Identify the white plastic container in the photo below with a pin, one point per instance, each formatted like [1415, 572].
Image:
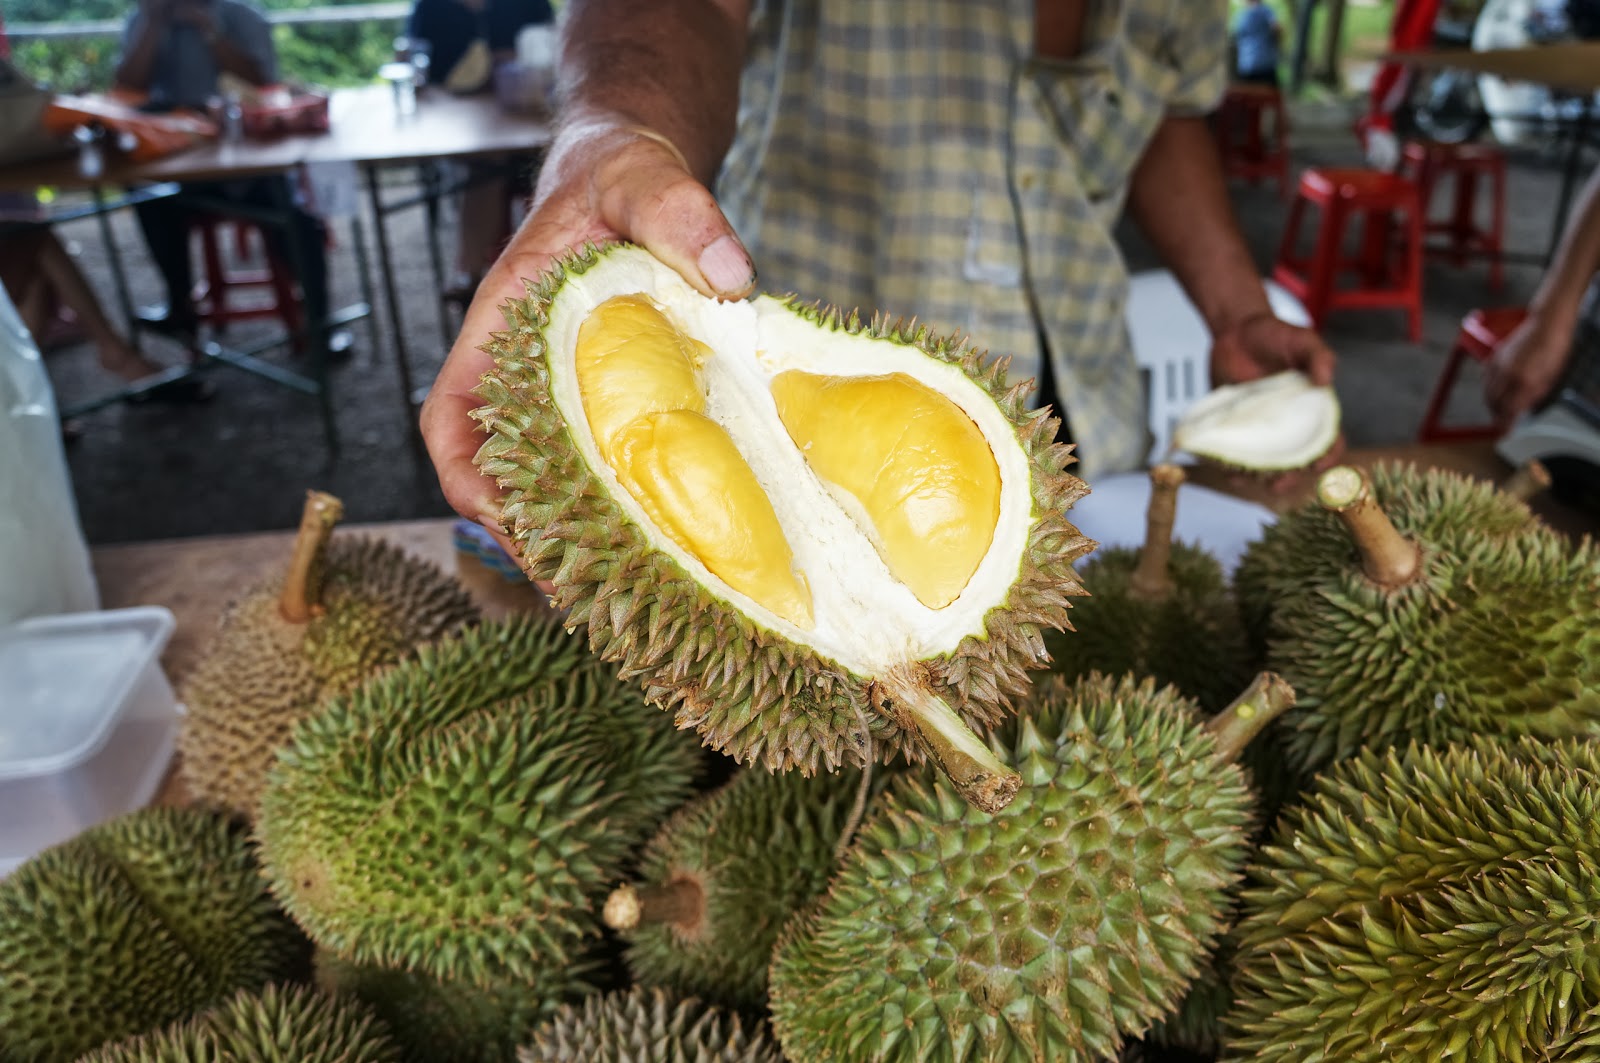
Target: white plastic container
[88, 723]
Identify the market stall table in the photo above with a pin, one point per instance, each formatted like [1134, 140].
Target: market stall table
[196, 577]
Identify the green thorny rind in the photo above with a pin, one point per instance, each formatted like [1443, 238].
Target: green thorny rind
[1427, 903]
[461, 815]
[642, 1025]
[1051, 930]
[748, 691]
[280, 1024]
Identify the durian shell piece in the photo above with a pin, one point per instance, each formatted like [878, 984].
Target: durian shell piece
[1272, 424]
[1428, 904]
[134, 924]
[1493, 635]
[747, 690]
[280, 1024]
[1055, 929]
[434, 1020]
[648, 1026]
[263, 674]
[463, 814]
[758, 850]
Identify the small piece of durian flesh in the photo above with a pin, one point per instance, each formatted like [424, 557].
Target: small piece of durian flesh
[638, 375]
[919, 469]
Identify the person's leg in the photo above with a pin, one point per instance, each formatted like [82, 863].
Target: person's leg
[485, 219]
[311, 236]
[58, 268]
[165, 223]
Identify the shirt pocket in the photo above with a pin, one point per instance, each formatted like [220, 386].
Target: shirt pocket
[1104, 110]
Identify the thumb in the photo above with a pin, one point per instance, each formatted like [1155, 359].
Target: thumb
[657, 203]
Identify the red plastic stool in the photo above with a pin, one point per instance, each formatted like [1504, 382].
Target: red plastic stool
[1482, 333]
[1252, 130]
[227, 295]
[1388, 264]
[1427, 164]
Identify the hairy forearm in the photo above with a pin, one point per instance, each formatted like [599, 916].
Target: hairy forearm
[670, 65]
[1181, 203]
[1576, 261]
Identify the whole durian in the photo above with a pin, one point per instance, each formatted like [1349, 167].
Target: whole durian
[1164, 611]
[129, 926]
[433, 1019]
[723, 875]
[1052, 930]
[1429, 903]
[648, 1026]
[463, 814]
[279, 1024]
[343, 610]
[888, 540]
[1424, 630]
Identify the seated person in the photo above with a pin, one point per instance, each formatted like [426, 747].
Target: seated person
[36, 270]
[1256, 33]
[453, 30]
[174, 52]
[1530, 366]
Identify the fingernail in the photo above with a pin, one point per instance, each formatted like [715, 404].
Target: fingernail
[726, 267]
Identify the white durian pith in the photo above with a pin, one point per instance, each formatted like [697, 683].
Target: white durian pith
[1283, 421]
[864, 618]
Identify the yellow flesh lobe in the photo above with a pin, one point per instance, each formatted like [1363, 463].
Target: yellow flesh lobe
[917, 464]
[639, 378]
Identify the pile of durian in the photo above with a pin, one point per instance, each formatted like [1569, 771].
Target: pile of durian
[776, 782]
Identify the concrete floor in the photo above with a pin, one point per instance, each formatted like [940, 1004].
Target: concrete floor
[243, 462]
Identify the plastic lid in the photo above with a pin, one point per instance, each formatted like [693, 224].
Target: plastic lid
[65, 679]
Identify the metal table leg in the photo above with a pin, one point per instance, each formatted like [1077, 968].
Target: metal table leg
[390, 294]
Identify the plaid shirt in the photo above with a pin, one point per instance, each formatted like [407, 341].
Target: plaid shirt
[916, 158]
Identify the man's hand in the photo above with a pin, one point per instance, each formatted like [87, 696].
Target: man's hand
[1262, 344]
[1525, 368]
[602, 180]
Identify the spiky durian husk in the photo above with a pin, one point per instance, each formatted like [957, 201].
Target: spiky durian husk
[436, 1020]
[280, 1024]
[1191, 639]
[1427, 903]
[648, 1026]
[1073, 918]
[749, 691]
[1439, 508]
[131, 925]
[1496, 636]
[263, 674]
[459, 815]
[759, 849]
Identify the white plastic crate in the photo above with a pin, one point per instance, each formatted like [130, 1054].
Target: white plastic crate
[88, 723]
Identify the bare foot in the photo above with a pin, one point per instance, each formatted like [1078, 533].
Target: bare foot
[128, 363]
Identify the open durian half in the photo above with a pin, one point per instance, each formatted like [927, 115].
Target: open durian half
[815, 540]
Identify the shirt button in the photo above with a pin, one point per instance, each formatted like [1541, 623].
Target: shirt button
[1113, 98]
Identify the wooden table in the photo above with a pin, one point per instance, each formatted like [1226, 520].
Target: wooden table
[196, 577]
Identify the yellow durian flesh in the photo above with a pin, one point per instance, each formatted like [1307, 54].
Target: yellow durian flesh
[917, 466]
[638, 374]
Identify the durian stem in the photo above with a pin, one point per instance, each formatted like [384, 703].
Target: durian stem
[966, 760]
[1263, 701]
[680, 902]
[302, 587]
[1388, 558]
[858, 810]
[1152, 580]
[1529, 480]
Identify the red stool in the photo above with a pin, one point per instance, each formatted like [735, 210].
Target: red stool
[227, 295]
[1426, 164]
[1482, 333]
[1252, 130]
[1388, 265]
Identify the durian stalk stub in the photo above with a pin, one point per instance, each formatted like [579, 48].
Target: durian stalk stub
[1529, 480]
[1151, 580]
[1388, 558]
[302, 587]
[1263, 701]
[978, 775]
[680, 902]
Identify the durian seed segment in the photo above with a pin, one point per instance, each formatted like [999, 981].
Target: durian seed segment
[1152, 580]
[913, 466]
[1388, 558]
[1273, 424]
[302, 587]
[1263, 701]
